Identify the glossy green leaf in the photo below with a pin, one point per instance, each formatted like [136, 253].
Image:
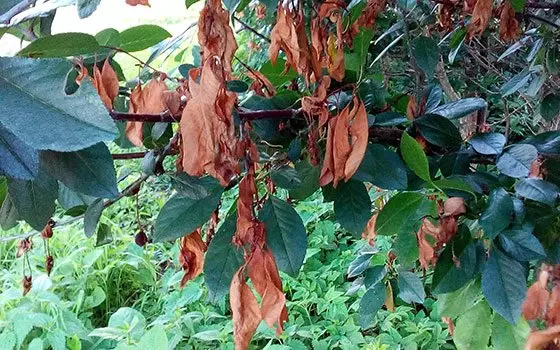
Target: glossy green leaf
[109, 37]
[275, 72]
[490, 143]
[460, 108]
[89, 171]
[383, 168]
[48, 118]
[142, 37]
[426, 53]
[498, 213]
[439, 131]
[538, 190]
[374, 275]
[504, 284]
[458, 302]
[61, 45]
[285, 234]
[411, 289]
[92, 216]
[194, 187]
[222, 259]
[352, 206]
[370, 303]
[508, 336]
[516, 160]
[546, 142]
[472, 329]
[34, 199]
[182, 215]
[550, 107]
[389, 119]
[285, 177]
[17, 159]
[520, 243]
[415, 157]
[402, 211]
[309, 176]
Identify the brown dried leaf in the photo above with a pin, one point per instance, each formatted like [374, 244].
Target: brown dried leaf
[26, 284]
[215, 35]
[509, 26]
[369, 230]
[191, 255]
[480, 17]
[24, 246]
[544, 339]
[358, 138]
[536, 301]
[261, 85]
[536, 171]
[427, 255]
[245, 310]
[454, 206]
[450, 324]
[389, 300]
[316, 105]
[138, 2]
[553, 313]
[49, 263]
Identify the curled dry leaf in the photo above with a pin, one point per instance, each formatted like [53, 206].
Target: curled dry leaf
[445, 13]
[245, 310]
[366, 19]
[369, 230]
[215, 35]
[24, 246]
[509, 26]
[207, 128]
[138, 2]
[245, 218]
[468, 6]
[427, 255]
[480, 17]
[450, 324]
[104, 80]
[536, 301]
[553, 313]
[316, 105]
[47, 232]
[539, 340]
[26, 284]
[147, 100]
[346, 144]
[335, 43]
[260, 85]
[49, 264]
[536, 171]
[191, 256]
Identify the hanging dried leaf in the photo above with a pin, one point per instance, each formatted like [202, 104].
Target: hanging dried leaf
[191, 255]
[215, 35]
[366, 20]
[105, 81]
[369, 231]
[138, 2]
[454, 206]
[49, 264]
[245, 310]
[545, 339]
[389, 300]
[450, 324]
[536, 171]
[445, 16]
[24, 246]
[553, 313]
[481, 16]
[427, 255]
[260, 85]
[468, 6]
[509, 26]
[346, 144]
[536, 301]
[26, 284]
[316, 105]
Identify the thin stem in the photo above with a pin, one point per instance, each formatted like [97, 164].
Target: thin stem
[251, 29]
[131, 55]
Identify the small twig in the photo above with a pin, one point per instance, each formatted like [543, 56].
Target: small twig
[133, 155]
[251, 29]
[17, 9]
[130, 55]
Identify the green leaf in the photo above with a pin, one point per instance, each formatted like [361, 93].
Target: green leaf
[450, 275]
[92, 216]
[406, 244]
[411, 289]
[36, 344]
[189, 3]
[520, 243]
[285, 234]
[87, 7]
[472, 329]
[516, 82]
[142, 37]
[89, 171]
[8, 338]
[372, 94]
[516, 160]
[194, 187]
[154, 339]
[103, 235]
[309, 176]
[454, 183]
[460, 108]
[182, 215]
[48, 118]
[550, 107]
[383, 168]
[355, 59]
[439, 131]
[275, 73]
[131, 320]
[61, 45]
[8, 214]
[185, 68]
[237, 86]
[231, 5]
[458, 302]
[371, 302]
[34, 199]
[109, 37]
[552, 59]
[414, 157]
[518, 5]
[508, 336]
[426, 53]
[69, 199]
[352, 206]
[538, 190]
[546, 142]
[498, 213]
[402, 212]
[17, 159]
[490, 143]
[374, 275]
[285, 177]
[389, 119]
[504, 284]
[222, 259]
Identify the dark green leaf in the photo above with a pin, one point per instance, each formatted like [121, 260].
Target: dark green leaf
[550, 107]
[352, 206]
[48, 118]
[182, 215]
[439, 131]
[189, 3]
[433, 96]
[538, 190]
[552, 59]
[454, 183]
[406, 244]
[389, 119]
[231, 5]
[516, 160]
[516, 83]
[87, 7]
[411, 289]
[142, 37]
[237, 86]
[34, 199]
[402, 212]
[355, 59]
[222, 259]
[17, 159]
[520, 243]
[69, 199]
[426, 53]
[285, 234]
[103, 235]
[491, 143]
[92, 216]
[498, 213]
[195, 187]
[460, 108]
[8, 214]
[275, 73]
[285, 177]
[185, 68]
[372, 94]
[374, 275]
[309, 176]
[415, 157]
[546, 142]
[371, 302]
[504, 285]
[61, 45]
[89, 171]
[518, 5]
[472, 329]
[383, 168]
[359, 265]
